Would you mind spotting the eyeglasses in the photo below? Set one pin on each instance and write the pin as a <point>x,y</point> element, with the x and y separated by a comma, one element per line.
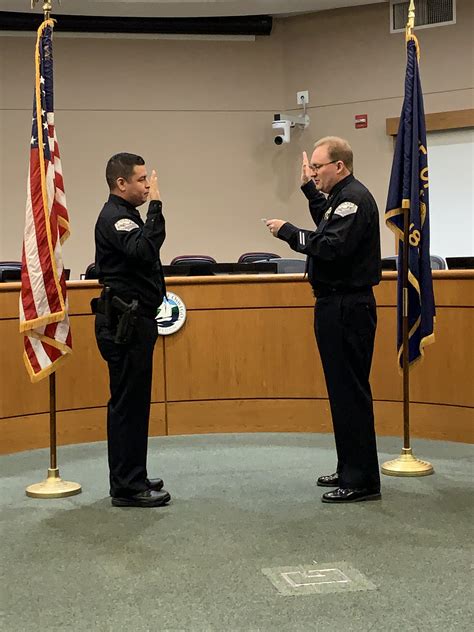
<point>324,164</point>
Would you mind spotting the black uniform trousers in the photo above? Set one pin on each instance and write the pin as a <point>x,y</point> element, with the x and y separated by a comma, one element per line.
<point>128,410</point>
<point>345,326</point>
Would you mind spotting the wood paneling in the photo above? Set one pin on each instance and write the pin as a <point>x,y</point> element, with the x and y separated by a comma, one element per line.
<point>91,390</point>
<point>73,426</point>
<point>271,415</point>
<point>427,421</point>
<point>227,292</point>
<point>385,380</point>
<point>246,360</point>
<point>456,119</point>
<point>447,423</point>
<point>224,354</point>
<point>446,375</point>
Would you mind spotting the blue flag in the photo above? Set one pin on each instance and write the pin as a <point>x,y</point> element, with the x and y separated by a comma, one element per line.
<point>409,190</point>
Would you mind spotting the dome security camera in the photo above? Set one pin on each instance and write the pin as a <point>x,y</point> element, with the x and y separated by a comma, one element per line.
<point>284,135</point>
<point>285,122</point>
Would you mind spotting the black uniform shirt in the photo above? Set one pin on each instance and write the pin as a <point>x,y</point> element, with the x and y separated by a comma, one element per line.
<point>344,250</point>
<point>127,256</point>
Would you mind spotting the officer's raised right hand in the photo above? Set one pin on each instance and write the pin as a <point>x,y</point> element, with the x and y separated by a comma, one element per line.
<point>306,172</point>
<point>154,192</point>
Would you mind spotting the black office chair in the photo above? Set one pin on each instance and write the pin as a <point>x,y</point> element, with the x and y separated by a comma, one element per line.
<point>252,257</point>
<point>437,263</point>
<point>390,263</point>
<point>192,260</point>
<point>10,271</point>
<point>90,272</point>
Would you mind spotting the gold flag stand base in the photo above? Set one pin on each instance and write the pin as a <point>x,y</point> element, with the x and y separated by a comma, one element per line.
<point>407,465</point>
<point>53,487</point>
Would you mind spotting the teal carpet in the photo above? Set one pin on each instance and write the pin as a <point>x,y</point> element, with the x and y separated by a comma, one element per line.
<point>241,503</point>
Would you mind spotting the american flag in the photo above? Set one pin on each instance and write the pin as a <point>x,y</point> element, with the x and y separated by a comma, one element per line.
<point>43,301</point>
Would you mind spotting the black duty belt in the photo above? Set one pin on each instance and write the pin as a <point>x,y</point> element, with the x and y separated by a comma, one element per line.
<point>120,315</point>
<point>323,291</point>
<point>99,306</point>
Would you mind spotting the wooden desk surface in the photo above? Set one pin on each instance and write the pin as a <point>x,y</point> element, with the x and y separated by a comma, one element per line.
<point>245,361</point>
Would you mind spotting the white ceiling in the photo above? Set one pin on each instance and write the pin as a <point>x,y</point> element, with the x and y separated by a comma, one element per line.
<point>178,8</point>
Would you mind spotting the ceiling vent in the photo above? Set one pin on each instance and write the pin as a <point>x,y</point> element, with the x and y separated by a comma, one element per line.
<point>428,13</point>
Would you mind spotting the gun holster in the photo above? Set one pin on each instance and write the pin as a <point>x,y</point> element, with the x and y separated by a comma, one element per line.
<point>117,313</point>
<point>126,321</point>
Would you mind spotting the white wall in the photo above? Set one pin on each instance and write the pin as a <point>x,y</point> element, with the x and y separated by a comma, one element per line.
<point>451,171</point>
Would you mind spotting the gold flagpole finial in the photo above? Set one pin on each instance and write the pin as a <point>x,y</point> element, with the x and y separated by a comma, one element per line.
<point>410,27</point>
<point>47,7</point>
<point>411,19</point>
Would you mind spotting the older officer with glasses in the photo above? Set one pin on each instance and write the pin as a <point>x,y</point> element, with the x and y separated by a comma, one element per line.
<point>343,265</point>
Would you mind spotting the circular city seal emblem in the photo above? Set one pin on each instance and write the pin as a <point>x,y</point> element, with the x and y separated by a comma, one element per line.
<point>171,315</point>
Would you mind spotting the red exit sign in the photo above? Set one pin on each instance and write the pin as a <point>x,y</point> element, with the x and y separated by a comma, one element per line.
<point>361,120</point>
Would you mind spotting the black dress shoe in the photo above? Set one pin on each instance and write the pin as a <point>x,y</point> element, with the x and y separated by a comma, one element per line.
<point>147,498</point>
<point>331,480</point>
<point>351,495</point>
<point>154,483</point>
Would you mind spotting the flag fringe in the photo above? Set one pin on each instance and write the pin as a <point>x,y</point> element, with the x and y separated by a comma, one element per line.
<point>51,368</point>
<point>42,321</point>
<point>424,342</point>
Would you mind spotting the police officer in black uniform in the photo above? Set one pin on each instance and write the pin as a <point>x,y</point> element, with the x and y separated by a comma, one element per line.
<point>343,266</point>
<point>128,265</point>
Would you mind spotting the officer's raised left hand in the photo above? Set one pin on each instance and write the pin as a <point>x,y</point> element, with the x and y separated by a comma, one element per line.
<point>274,225</point>
<point>154,192</point>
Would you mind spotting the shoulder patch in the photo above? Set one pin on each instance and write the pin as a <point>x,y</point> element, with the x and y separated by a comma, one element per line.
<point>346,208</point>
<point>125,224</point>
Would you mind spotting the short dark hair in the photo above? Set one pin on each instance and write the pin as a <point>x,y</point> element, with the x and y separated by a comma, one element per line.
<point>121,166</point>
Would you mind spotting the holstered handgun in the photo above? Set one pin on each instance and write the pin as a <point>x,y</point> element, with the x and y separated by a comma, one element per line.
<point>118,314</point>
<point>126,321</point>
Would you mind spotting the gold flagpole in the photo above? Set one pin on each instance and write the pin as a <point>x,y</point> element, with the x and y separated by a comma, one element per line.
<point>53,486</point>
<point>406,464</point>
